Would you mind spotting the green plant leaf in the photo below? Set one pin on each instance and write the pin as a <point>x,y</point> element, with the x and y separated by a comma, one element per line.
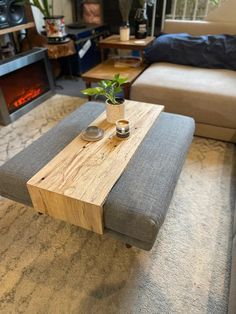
<point>108,83</point>
<point>117,90</point>
<point>23,2</point>
<point>42,7</point>
<point>46,7</point>
<point>93,91</point>
<point>103,84</point>
<point>116,77</point>
<point>123,80</point>
<point>38,4</point>
<point>107,88</point>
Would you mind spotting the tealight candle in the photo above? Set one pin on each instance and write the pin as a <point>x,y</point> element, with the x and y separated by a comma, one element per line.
<point>122,128</point>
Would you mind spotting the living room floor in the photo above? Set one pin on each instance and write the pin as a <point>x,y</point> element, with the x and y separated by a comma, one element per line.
<point>70,87</point>
<point>48,266</point>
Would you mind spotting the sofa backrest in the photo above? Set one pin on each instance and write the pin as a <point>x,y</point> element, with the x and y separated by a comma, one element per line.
<point>199,27</point>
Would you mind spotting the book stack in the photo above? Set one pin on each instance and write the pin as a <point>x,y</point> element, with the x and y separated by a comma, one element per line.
<point>129,61</point>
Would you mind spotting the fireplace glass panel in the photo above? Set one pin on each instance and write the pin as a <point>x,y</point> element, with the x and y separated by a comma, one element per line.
<point>24,85</point>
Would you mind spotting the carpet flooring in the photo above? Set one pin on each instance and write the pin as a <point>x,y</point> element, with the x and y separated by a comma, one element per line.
<point>49,266</point>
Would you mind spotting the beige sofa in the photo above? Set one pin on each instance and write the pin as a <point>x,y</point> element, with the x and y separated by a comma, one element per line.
<point>207,95</point>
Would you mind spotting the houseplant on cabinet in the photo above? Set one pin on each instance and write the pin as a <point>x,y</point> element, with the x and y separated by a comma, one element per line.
<point>54,24</point>
<point>115,106</point>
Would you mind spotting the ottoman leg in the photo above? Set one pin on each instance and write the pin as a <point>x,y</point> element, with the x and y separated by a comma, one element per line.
<point>128,246</point>
<point>88,85</point>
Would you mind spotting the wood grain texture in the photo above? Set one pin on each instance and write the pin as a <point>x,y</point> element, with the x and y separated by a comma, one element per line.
<point>17,28</point>
<point>56,51</point>
<point>74,185</point>
<point>107,70</point>
<point>115,42</point>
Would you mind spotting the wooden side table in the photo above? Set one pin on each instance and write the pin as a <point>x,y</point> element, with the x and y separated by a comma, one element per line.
<point>106,70</point>
<point>60,50</point>
<point>132,44</point>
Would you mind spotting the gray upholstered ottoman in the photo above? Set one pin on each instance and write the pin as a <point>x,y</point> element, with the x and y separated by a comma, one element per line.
<point>136,206</point>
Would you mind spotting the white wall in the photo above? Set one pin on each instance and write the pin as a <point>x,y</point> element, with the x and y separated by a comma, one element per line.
<point>226,12</point>
<point>38,17</point>
<point>64,7</point>
<point>61,7</point>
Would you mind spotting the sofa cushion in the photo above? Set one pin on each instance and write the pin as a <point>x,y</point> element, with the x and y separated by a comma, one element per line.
<point>138,202</point>
<point>207,51</point>
<point>207,95</point>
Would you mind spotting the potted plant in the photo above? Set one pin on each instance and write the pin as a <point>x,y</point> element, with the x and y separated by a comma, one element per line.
<point>54,25</point>
<point>115,107</point>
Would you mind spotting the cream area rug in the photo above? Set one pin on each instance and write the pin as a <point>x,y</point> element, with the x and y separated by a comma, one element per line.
<point>48,266</point>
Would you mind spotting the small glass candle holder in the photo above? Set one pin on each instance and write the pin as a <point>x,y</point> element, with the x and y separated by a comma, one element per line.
<point>122,128</point>
<point>124,33</point>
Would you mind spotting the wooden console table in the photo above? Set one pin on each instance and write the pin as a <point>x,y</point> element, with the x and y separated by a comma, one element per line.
<point>74,185</point>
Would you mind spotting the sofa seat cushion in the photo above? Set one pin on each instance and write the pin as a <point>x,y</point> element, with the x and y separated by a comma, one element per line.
<point>207,95</point>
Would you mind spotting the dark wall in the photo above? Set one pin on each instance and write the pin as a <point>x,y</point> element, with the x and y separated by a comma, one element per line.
<point>112,16</point>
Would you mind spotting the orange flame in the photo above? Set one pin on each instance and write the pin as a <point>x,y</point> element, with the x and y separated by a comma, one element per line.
<point>29,95</point>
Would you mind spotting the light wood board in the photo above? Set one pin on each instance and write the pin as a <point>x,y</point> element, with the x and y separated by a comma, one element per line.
<point>106,71</point>
<point>115,42</point>
<point>74,185</point>
<point>17,28</point>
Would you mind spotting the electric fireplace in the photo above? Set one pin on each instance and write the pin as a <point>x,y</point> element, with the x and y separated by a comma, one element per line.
<point>25,82</point>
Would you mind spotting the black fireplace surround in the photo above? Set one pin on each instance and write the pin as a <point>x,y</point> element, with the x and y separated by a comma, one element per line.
<point>25,82</point>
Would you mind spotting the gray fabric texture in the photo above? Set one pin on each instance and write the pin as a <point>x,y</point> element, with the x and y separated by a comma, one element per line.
<point>232,297</point>
<point>138,202</point>
<point>147,246</point>
<point>234,226</point>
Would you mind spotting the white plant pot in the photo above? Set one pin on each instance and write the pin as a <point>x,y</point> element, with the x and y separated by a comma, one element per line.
<point>55,27</point>
<point>115,112</point>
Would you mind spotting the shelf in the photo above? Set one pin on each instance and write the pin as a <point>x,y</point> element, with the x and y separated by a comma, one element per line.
<point>16,28</point>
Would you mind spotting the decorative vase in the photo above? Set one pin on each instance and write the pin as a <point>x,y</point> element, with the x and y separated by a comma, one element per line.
<point>55,28</point>
<point>115,112</point>
<point>140,24</point>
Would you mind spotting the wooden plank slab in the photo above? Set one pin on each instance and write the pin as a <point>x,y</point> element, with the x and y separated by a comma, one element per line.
<point>16,28</point>
<point>133,43</point>
<point>74,185</point>
<point>106,71</point>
